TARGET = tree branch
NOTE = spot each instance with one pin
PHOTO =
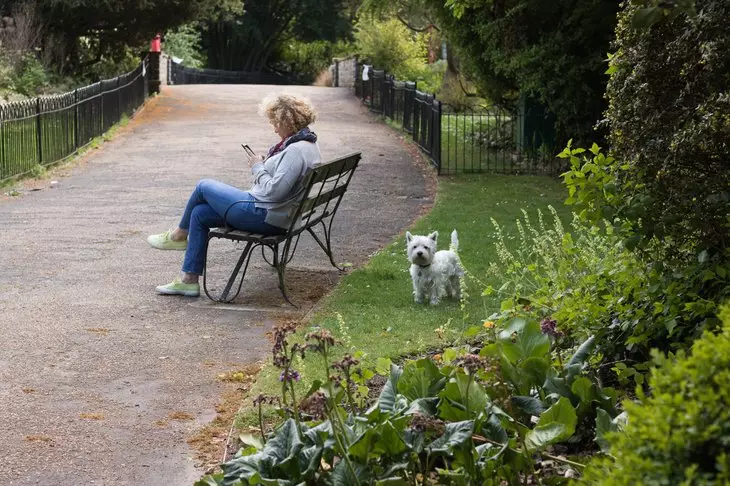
(416, 29)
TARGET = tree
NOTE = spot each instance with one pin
(82, 32)
(553, 52)
(248, 41)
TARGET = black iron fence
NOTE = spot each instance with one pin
(179, 74)
(491, 139)
(44, 130)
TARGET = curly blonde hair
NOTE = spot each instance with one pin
(289, 112)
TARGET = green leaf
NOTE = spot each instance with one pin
(575, 364)
(603, 425)
(382, 366)
(321, 435)
(449, 355)
(522, 339)
(244, 467)
(251, 440)
(456, 434)
(529, 405)
(424, 406)
(493, 429)
(583, 388)
(377, 441)
(386, 400)
(394, 481)
(420, 379)
(462, 398)
(556, 424)
(283, 449)
(451, 477)
(473, 331)
(211, 480)
(390, 441)
(341, 475)
(533, 372)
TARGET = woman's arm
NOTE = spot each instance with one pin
(277, 186)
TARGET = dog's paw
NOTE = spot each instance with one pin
(434, 301)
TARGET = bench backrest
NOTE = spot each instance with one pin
(324, 187)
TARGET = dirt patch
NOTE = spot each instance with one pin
(211, 443)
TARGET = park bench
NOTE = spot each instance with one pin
(325, 185)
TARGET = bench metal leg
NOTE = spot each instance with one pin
(244, 258)
(280, 270)
(326, 245)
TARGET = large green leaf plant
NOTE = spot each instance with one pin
(464, 419)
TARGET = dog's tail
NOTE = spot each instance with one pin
(454, 242)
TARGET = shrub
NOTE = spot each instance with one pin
(308, 59)
(30, 76)
(674, 303)
(681, 434)
(585, 279)
(391, 46)
(669, 123)
(184, 43)
(452, 94)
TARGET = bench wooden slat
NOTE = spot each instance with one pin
(309, 204)
(334, 168)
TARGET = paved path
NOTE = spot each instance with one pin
(92, 361)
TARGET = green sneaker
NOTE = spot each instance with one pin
(179, 288)
(164, 241)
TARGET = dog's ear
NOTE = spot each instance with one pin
(434, 236)
(409, 237)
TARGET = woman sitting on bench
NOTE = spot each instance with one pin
(264, 208)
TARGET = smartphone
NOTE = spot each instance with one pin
(248, 150)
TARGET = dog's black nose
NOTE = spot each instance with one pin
(419, 253)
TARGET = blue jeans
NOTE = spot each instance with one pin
(205, 210)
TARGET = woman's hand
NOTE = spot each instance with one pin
(253, 159)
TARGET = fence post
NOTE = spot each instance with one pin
(3, 156)
(76, 118)
(337, 73)
(101, 109)
(415, 121)
(119, 98)
(436, 134)
(39, 140)
(154, 66)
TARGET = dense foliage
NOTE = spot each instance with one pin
(73, 35)
(249, 41)
(669, 124)
(553, 52)
(459, 419)
(390, 45)
(681, 433)
(183, 43)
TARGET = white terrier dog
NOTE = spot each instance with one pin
(435, 274)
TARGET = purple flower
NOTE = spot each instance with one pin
(290, 375)
(549, 326)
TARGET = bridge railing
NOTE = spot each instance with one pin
(180, 74)
(47, 129)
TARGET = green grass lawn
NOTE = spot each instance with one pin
(378, 315)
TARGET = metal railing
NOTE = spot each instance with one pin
(179, 74)
(44, 130)
(491, 139)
